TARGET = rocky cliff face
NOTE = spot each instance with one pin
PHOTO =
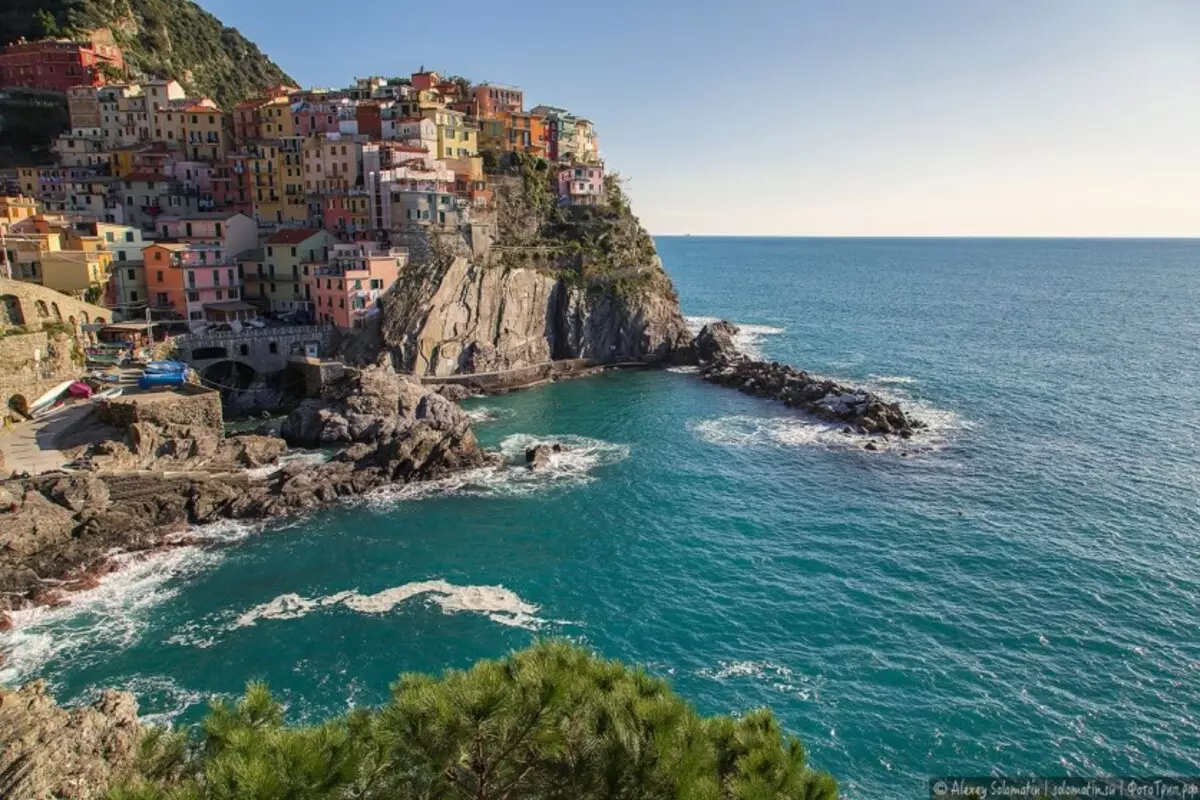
(47, 751)
(466, 317)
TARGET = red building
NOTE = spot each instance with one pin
(56, 65)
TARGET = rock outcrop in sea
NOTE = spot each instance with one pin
(48, 751)
(387, 428)
(861, 411)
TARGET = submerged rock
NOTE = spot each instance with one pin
(539, 455)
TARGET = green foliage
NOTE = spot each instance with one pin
(29, 121)
(171, 38)
(551, 722)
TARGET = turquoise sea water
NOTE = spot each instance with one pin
(1018, 594)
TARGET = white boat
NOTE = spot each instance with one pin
(107, 393)
(49, 397)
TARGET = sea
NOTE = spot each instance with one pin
(1015, 591)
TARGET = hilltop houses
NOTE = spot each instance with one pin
(294, 203)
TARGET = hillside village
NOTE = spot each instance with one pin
(296, 206)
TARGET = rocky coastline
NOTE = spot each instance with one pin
(860, 411)
(379, 428)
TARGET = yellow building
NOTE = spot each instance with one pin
(290, 171)
(275, 119)
(84, 272)
(15, 209)
(169, 125)
(455, 138)
(208, 133)
(264, 182)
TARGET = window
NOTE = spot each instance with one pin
(216, 276)
(272, 287)
(129, 236)
(270, 250)
(121, 255)
(162, 299)
(293, 252)
(193, 297)
(219, 295)
(189, 229)
(273, 347)
(244, 350)
(218, 229)
(108, 236)
(196, 315)
(231, 281)
(341, 302)
(133, 297)
(132, 275)
(376, 283)
(159, 277)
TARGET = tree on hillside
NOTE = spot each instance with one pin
(551, 722)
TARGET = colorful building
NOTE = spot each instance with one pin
(228, 231)
(581, 185)
(346, 291)
(332, 163)
(55, 65)
(187, 280)
(208, 133)
(494, 98)
(13, 209)
(285, 261)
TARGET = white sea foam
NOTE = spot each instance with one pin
(117, 612)
(797, 428)
(570, 468)
(161, 692)
(890, 380)
(749, 338)
(495, 602)
(481, 414)
(779, 677)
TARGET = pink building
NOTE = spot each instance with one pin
(311, 119)
(232, 232)
(197, 175)
(332, 162)
(581, 185)
(346, 292)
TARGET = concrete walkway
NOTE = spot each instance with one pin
(31, 446)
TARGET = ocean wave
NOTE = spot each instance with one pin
(162, 692)
(891, 380)
(742, 430)
(566, 470)
(115, 613)
(495, 602)
(481, 414)
(779, 677)
(749, 338)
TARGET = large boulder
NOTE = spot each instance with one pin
(77, 493)
(714, 344)
(48, 751)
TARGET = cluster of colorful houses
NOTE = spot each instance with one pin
(297, 204)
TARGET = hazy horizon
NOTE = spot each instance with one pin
(1021, 119)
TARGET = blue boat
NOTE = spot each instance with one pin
(155, 380)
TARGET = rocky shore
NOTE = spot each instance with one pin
(858, 410)
(379, 427)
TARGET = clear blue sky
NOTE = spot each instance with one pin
(854, 117)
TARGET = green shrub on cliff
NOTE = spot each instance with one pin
(552, 721)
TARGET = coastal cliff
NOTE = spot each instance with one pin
(550, 282)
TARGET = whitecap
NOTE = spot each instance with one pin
(495, 602)
(749, 338)
(799, 429)
(571, 468)
(891, 380)
(117, 612)
(482, 414)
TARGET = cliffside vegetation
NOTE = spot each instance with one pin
(171, 38)
(29, 121)
(548, 722)
(596, 246)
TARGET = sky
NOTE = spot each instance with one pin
(833, 118)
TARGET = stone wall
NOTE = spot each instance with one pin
(33, 363)
(266, 350)
(185, 405)
(28, 304)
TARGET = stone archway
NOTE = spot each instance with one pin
(100, 320)
(43, 311)
(86, 319)
(54, 310)
(12, 310)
